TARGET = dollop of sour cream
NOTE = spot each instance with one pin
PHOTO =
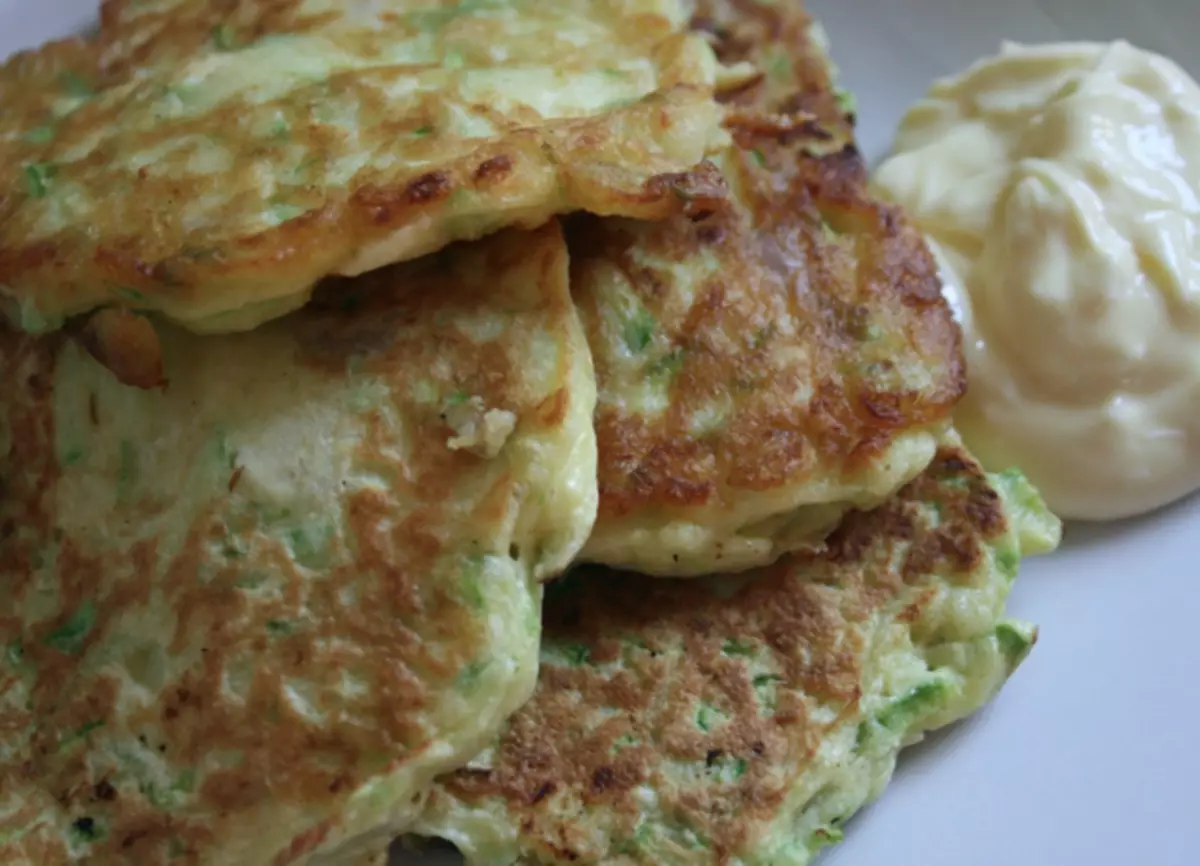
(1059, 186)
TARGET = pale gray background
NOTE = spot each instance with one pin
(889, 49)
(1091, 756)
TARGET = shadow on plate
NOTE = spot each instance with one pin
(1081, 533)
(412, 851)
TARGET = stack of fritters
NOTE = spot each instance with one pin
(310, 390)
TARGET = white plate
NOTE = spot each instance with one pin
(1091, 755)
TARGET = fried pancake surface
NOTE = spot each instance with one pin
(213, 160)
(744, 718)
(764, 369)
(248, 617)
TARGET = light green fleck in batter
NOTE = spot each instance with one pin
(281, 213)
(78, 735)
(639, 331)
(1038, 530)
(460, 197)
(1008, 559)
(223, 38)
(89, 727)
(779, 65)
(1017, 485)
(34, 321)
(668, 365)
(764, 689)
(272, 516)
(186, 782)
(37, 178)
(922, 700)
(707, 717)
(1014, 643)
(280, 627)
(762, 336)
(69, 637)
(157, 798)
(435, 19)
(862, 737)
(730, 770)
(738, 648)
(577, 654)
(302, 174)
(468, 678)
(310, 545)
(956, 483)
(847, 101)
(73, 85)
(831, 233)
(40, 134)
(471, 583)
(232, 548)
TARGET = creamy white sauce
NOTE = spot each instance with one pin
(1060, 188)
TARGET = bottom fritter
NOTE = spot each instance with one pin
(743, 719)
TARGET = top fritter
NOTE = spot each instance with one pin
(211, 161)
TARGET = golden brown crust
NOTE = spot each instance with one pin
(807, 313)
(635, 664)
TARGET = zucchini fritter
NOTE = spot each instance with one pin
(745, 718)
(212, 160)
(246, 619)
(764, 369)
